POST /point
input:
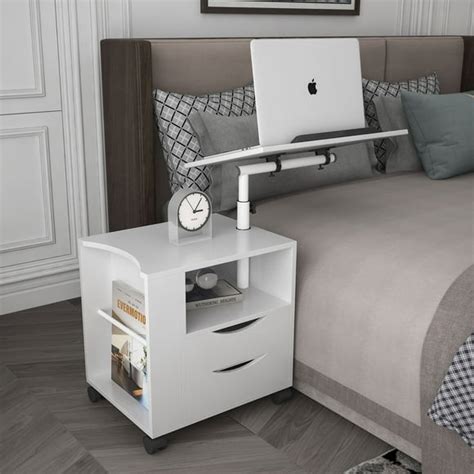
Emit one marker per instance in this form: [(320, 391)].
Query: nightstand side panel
[(166, 312)]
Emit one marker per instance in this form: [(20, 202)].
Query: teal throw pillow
[(442, 128)]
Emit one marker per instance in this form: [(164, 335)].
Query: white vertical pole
[(243, 203), (243, 273), (243, 223)]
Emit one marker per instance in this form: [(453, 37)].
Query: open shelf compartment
[(271, 285), (256, 303), (100, 268)]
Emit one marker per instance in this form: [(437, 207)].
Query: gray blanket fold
[(372, 270), (444, 450), (377, 310)]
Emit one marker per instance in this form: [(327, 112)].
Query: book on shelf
[(129, 355), (223, 293)]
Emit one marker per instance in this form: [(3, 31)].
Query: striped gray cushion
[(423, 85)]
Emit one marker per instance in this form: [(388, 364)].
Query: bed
[(384, 288)]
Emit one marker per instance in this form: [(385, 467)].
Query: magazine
[(128, 355), (128, 306)]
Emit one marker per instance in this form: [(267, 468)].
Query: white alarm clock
[(189, 217)]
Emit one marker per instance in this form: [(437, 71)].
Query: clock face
[(194, 211)]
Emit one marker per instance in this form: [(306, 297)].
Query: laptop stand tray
[(310, 143)]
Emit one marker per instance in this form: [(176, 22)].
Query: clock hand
[(190, 205), (194, 210)]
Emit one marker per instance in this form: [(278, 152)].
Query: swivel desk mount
[(277, 160)]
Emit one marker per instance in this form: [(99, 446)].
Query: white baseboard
[(39, 292)]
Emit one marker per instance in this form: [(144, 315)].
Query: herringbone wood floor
[(48, 424)]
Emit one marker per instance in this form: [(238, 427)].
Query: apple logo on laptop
[(312, 89)]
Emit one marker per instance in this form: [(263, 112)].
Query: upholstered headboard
[(136, 176)]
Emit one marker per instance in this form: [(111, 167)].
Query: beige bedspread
[(375, 258)]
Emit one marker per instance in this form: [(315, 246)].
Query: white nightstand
[(201, 362)]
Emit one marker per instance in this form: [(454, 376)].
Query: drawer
[(229, 368), (223, 347)]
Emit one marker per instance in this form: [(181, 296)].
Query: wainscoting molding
[(127, 19), (98, 30), (446, 10), (453, 17), (98, 20), (80, 27), (416, 17), (114, 18), (435, 17), (41, 136), (471, 20), (38, 68), (72, 116), (47, 280), (400, 17)]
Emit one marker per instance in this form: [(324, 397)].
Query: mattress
[(375, 258)]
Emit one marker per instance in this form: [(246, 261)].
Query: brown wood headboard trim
[(128, 127), (136, 178), (467, 83)]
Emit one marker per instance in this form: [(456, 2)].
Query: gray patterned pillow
[(423, 85), (178, 140)]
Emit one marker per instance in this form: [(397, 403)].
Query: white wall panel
[(43, 201), (437, 17), (21, 49), (459, 17), (34, 217), (25, 190), (29, 76), (92, 26), (182, 18)]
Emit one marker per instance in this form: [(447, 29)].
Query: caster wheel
[(94, 395), (283, 396), (154, 445)]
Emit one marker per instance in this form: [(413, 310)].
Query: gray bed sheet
[(375, 258)]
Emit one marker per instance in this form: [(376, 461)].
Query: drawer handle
[(238, 366), (237, 327)]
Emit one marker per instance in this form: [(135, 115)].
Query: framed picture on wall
[(301, 7)]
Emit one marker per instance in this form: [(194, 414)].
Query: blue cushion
[(442, 128)]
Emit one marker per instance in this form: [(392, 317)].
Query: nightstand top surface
[(149, 248)]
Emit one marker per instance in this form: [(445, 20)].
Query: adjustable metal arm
[(243, 202), (318, 143)]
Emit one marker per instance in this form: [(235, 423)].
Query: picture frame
[(286, 7)]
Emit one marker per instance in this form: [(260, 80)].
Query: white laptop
[(306, 86)]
